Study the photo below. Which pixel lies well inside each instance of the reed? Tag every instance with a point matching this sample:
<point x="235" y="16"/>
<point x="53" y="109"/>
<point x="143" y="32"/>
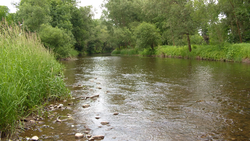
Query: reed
<point x="30" y="75"/>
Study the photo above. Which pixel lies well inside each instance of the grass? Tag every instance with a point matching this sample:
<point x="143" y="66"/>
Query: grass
<point x="30" y="75"/>
<point x="125" y="52"/>
<point x="225" y="52"/>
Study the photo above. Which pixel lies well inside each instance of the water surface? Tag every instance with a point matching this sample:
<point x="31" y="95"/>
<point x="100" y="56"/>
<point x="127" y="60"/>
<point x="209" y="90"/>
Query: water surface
<point x="160" y="99"/>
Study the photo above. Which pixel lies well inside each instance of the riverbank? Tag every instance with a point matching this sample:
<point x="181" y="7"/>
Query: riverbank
<point x="30" y="76"/>
<point x="223" y="52"/>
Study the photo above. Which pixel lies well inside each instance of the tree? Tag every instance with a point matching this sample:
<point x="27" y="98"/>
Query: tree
<point x="81" y="21"/>
<point x="4" y="11"/>
<point x="147" y="35"/>
<point x="57" y="40"/>
<point x="122" y="12"/>
<point x="32" y="13"/>
<point x="237" y="18"/>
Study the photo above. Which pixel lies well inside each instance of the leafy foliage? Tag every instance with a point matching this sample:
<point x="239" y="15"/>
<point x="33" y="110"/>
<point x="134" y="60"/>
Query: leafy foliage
<point x="147" y="35"/>
<point x="56" y="39"/>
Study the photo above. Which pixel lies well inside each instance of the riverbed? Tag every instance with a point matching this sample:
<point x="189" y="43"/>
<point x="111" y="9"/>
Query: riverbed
<point x="154" y="99"/>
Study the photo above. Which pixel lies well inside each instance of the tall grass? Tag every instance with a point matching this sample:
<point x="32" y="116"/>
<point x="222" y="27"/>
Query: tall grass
<point x="29" y="74"/>
<point x="228" y="52"/>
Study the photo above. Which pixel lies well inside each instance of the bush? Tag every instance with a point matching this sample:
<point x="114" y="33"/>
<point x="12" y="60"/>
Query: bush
<point x="29" y="74"/>
<point x="147" y="52"/>
<point x="147" y="35"/>
<point x="58" y="40"/>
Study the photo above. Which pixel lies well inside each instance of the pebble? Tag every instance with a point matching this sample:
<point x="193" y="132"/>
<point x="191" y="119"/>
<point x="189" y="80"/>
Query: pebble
<point x="88" y="136"/>
<point x="32" y="121"/>
<point x="116" y="113"/>
<point x="86" y="106"/>
<point x="60" y="105"/>
<point x="86" y="132"/>
<point x="34" y="138"/>
<point x="94" y="96"/>
<point x="104" y="122"/>
<point x="79" y="135"/>
<point x="99" y="137"/>
<point x="97" y="117"/>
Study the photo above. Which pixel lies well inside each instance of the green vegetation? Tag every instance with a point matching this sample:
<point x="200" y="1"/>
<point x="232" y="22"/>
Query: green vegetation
<point x="225" y="52"/>
<point x="210" y="29"/>
<point x="30" y="76"/>
<point x="222" y="52"/>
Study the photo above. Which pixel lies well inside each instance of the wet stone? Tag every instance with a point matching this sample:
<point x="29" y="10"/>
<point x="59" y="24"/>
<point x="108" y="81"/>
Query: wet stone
<point x="104" y="122"/>
<point x="86" y="132"/>
<point x="34" y="138"/>
<point x="86" y="106"/>
<point x="41" y="122"/>
<point x="99" y="137"/>
<point x="32" y="121"/>
<point x="94" y="96"/>
<point x="116" y="113"/>
<point x="60" y="105"/>
<point x="88" y="136"/>
<point x="79" y="135"/>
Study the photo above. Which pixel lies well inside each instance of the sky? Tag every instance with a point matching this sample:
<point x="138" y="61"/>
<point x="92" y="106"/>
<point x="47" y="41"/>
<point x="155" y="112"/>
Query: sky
<point x="95" y="3"/>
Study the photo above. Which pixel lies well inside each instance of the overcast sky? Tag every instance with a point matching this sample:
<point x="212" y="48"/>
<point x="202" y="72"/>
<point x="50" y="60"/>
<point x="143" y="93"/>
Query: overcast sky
<point x="95" y="3"/>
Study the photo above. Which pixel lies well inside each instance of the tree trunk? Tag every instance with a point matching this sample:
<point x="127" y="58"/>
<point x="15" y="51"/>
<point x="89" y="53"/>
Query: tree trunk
<point x="189" y="44"/>
<point x="172" y="38"/>
<point x="237" y="22"/>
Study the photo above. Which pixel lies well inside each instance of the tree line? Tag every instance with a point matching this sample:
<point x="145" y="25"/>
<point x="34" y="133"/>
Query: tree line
<point x="68" y="29"/>
<point x="63" y="26"/>
<point x="148" y="23"/>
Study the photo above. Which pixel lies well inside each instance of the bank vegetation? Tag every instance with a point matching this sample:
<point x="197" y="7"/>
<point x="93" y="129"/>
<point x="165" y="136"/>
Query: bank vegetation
<point x="30" y="77"/>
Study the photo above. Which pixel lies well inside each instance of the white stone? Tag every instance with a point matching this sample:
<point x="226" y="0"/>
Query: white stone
<point x="35" y="138"/>
<point x="60" y="105"/>
<point x="79" y="135"/>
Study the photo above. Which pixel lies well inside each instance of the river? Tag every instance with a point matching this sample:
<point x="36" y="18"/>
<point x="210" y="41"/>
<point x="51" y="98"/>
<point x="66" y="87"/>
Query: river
<point x="158" y="99"/>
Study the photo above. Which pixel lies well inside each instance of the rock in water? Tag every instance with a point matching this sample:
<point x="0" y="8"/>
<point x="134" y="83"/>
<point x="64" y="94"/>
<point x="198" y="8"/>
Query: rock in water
<point x="104" y="122"/>
<point x="86" y="106"/>
<point x="116" y="113"/>
<point x="97" y="117"/>
<point x="34" y="138"/>
<point x="96" y="138"/>
<point x="79" y="135"/>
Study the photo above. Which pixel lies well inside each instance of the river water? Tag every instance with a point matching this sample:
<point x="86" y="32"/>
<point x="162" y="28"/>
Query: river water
<point x="158" y="99"/>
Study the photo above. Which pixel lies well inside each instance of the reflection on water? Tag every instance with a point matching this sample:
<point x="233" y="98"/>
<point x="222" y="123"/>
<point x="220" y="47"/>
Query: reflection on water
<point x="161" y="98"/>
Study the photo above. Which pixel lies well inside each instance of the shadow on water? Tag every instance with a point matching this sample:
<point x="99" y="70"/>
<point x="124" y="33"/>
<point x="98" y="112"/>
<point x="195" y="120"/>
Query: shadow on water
<point x="157" y="99"/>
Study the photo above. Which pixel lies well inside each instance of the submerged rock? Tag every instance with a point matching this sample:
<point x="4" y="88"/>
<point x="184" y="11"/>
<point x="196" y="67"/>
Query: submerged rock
<point x="85" y="105"/>
<point x="88" y="136"/>
<point x="116" y="113"/>
<point x="79" y="135"/>
<point x="104" y="122"/>
<point x="99" y="137"/>
<point x="94" y="96"/>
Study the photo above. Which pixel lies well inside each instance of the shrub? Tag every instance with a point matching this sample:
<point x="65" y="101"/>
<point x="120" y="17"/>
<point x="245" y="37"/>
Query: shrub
<point x="58" y="40"/>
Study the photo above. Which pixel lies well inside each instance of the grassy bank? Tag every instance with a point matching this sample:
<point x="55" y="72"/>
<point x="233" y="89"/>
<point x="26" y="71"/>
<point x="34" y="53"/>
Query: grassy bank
<point x="224" y="52"/>
<point x="125" y="52"/>
<point x="29" y="74"/>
